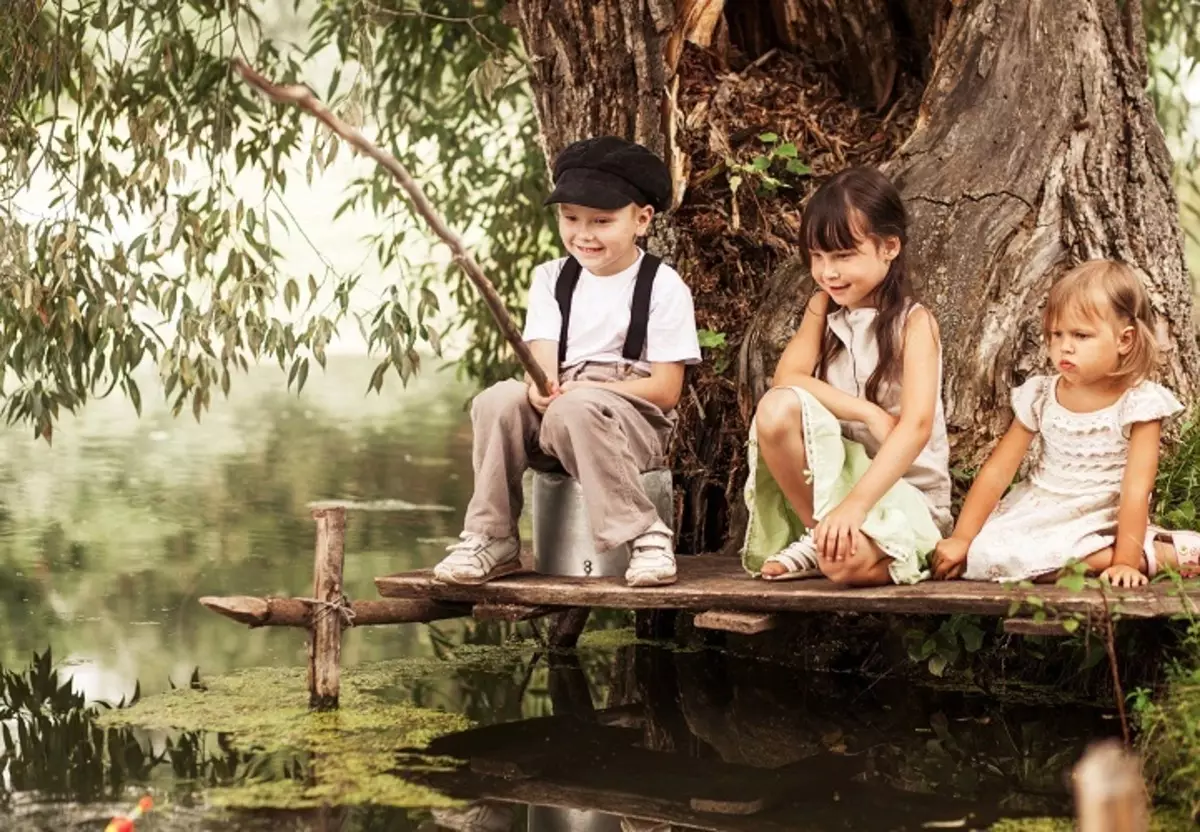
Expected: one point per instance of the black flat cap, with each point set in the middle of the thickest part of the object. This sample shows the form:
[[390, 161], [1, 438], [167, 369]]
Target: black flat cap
[[608, 172]]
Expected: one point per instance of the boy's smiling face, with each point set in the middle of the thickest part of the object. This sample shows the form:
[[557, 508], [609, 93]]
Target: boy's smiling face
[[604, 241]]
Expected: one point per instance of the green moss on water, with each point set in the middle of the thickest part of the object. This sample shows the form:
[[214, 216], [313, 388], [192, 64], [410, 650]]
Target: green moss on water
[[344, 757], [1033, 825], [611, 639], [1159, 822], [267, 710]]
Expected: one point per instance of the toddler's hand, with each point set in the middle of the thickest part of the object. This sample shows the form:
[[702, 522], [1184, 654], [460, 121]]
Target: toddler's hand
[[1124, 576], [880, 423], [950, 559], [540, 402]]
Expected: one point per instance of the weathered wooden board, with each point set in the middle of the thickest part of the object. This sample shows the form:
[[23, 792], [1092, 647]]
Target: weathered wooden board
[[711, 582], [488, 611], [297, 612], [745, 623]]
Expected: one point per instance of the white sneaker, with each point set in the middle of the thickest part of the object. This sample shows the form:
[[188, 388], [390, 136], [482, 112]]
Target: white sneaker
[[477, 558], [652, 558], [799, 558]]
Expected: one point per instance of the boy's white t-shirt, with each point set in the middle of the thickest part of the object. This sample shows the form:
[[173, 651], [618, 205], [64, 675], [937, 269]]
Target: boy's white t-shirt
[[600, 313]]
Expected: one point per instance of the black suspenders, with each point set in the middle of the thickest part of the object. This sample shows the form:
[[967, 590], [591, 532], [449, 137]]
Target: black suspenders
[[639, 313]]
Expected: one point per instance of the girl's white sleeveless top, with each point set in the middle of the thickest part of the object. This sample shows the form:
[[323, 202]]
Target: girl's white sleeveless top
[[849, 372]]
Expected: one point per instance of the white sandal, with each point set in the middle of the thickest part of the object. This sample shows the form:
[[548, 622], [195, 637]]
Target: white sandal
[[799, 558], [476, 559], [1187, 552], [652, 559]]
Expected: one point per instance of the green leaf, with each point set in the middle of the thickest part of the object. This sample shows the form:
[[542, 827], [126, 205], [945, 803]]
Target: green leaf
[[938, 664], [710, 339], [787, 151], [768, 138], [798, 168], [135, 395], [760, 163], [291, 294], [972, 638], [1074, 582]]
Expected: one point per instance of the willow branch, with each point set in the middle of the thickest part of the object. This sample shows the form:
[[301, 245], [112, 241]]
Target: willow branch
[[302, 97]]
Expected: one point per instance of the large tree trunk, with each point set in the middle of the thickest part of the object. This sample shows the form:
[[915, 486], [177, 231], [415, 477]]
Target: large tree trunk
[[1038, 149], [598, 68], [1018, 131]]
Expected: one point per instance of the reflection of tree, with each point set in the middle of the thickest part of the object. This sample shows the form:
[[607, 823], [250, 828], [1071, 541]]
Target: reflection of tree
[[108, 538], [518, 683]]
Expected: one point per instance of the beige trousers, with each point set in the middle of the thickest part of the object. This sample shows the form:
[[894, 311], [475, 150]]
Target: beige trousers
[[602, 438]]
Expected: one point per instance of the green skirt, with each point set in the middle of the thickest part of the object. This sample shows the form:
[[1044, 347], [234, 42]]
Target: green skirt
[[900, 523]]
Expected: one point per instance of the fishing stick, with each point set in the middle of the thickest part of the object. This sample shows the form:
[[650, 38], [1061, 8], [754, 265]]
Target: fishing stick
[[302, 97]]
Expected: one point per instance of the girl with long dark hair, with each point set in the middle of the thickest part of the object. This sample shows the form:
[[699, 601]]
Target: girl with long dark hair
[[849, 463]]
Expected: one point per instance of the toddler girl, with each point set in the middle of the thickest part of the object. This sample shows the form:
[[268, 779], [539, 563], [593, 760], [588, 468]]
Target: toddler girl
[[1097, 423]]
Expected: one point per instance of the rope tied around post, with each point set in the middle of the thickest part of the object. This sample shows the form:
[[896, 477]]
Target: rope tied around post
[[341, 607]]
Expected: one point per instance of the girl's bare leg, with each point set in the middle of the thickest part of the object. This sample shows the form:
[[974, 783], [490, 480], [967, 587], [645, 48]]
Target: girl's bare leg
[[779, 424], [1097, 562], [868, 566]]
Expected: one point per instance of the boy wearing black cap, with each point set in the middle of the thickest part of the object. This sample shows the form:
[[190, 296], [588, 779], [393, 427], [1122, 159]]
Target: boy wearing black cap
[[615, 326]]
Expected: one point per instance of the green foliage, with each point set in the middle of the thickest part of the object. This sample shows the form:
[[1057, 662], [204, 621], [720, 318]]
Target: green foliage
[[449, 75], [1170, 729], [719, 347], [769, 169], [956, 637], [52, 743], [1177, 489], [1174, 53], [125, 117]]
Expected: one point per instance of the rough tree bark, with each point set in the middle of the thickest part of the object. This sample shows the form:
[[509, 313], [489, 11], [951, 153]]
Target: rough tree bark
[[1034, 147], [1037, 148], [598, 68]]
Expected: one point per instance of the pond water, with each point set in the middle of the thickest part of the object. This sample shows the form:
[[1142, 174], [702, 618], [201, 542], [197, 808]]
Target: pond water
[[108, 538]]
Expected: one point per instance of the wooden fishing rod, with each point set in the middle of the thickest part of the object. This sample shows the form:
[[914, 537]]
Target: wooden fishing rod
[[302, 97]]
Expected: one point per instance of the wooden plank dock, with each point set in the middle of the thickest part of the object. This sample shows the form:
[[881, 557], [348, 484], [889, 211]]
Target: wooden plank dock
[[709, 583], [714, 588]]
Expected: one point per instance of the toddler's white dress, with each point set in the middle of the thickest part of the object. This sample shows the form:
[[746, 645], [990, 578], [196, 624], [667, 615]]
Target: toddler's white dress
[[1067, 508]]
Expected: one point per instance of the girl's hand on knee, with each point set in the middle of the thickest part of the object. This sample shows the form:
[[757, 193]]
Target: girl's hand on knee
[[949, 559], [837, 536], [1122, 575], [540, 402]]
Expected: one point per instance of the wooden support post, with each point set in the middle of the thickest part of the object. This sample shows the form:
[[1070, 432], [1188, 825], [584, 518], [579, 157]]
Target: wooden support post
[[568, 627], [745, 623], [325, 633], [655, 623], [1110, 794]]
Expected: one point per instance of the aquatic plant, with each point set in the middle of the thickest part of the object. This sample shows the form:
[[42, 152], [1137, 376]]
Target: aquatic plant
[[1170, 729]]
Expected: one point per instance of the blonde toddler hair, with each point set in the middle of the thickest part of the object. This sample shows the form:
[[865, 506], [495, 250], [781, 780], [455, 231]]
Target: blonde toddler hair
[[1108, 290]]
